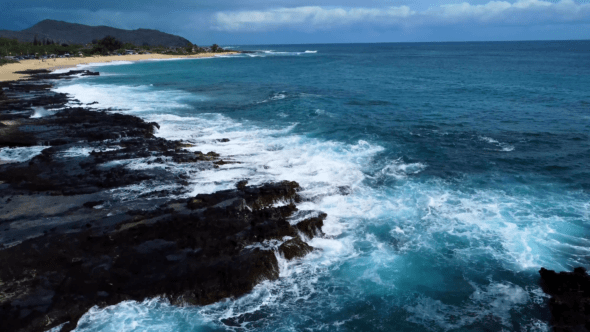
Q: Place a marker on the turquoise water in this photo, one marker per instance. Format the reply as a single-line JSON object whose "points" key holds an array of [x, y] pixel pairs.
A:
{"points": [[450, 172]]}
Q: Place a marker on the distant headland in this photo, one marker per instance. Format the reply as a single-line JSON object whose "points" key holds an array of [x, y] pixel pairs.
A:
{"points": [[60, 32], [57, 45]]}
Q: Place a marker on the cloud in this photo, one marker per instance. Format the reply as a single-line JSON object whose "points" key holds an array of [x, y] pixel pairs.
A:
{"points": [[310, 18], [523, 12]]}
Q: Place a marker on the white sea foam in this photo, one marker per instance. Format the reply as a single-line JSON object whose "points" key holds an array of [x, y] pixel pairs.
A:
{"points": [[267, 154], [494, 302], [40, 112], [132, 98], [149, 315], [275, 96], [519, 232], [85, 151], [19, 155], [523, 231], [400, 170], [505, 147], [103, 64], [278, 96], [90, 65], [267, 53], [322, 112], [62, 70]]}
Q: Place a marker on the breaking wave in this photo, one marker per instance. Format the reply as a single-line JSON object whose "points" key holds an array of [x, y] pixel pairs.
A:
{"points": [[396, 239]]}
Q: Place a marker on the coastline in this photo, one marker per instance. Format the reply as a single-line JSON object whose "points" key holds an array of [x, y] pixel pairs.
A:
{"points": [[492, 291], [10, 72], [100, 250]]}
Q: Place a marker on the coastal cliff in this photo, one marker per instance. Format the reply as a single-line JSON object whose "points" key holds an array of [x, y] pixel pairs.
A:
{"points": [[68, 244]]}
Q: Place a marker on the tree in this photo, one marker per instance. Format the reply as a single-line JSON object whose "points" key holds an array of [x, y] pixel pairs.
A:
{"points": [[214, 47], [128, 46], [189, 47], [107, 44]]}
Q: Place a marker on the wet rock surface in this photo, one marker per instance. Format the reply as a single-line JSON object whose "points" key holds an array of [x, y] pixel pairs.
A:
{"points": [[73, 125], [194, 256], [68, 242], [18, 98], [570, 299]]}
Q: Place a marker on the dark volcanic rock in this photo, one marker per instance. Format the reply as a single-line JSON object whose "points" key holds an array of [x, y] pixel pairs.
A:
{"points": [[46, 74], [312, 227], [188, 256], [73, 125], [570, 299], [20, 97], [295, 248], [257, 197], [67, 243], [111, 137]]}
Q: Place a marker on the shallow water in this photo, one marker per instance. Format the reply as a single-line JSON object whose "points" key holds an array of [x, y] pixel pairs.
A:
{"points": [[450, 172]]}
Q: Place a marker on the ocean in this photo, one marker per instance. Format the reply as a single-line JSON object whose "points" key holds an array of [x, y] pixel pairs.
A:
{"points": [[450, 173]]}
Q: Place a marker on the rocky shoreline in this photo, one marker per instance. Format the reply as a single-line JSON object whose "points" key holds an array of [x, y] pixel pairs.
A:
{"points": [[67, 243]]}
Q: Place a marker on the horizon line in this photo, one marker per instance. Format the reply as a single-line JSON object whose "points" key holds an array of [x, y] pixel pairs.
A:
{"points": [[423, 42]]}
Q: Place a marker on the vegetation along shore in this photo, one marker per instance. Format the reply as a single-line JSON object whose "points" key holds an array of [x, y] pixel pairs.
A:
{"points": [[23, 56]]}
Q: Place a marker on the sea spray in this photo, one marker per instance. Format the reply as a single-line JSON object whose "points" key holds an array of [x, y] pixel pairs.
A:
{"points": [[441, 205]]}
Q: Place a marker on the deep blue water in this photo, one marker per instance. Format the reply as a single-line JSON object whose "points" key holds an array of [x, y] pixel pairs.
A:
{"points": [[451, 173]]}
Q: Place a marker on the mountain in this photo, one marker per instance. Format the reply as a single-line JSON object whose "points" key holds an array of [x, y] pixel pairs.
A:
{"points": [[72, 33]]}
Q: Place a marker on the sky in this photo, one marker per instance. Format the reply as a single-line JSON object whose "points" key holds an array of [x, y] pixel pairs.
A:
{"points": [[243, 22]]}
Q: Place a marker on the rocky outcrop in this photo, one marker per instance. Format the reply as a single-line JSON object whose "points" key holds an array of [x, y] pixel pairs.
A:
{"points": [[186, 254], [570, 299], [19, 98], [73, 125], [67, 243], [294, 248]]}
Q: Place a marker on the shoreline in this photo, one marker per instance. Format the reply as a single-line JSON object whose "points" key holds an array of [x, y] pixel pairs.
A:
{"points": [[11, 71], [100, 250], [137, 221]]}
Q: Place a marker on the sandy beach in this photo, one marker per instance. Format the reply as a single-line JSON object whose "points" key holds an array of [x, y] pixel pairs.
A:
{"points": [[8, 71]]}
